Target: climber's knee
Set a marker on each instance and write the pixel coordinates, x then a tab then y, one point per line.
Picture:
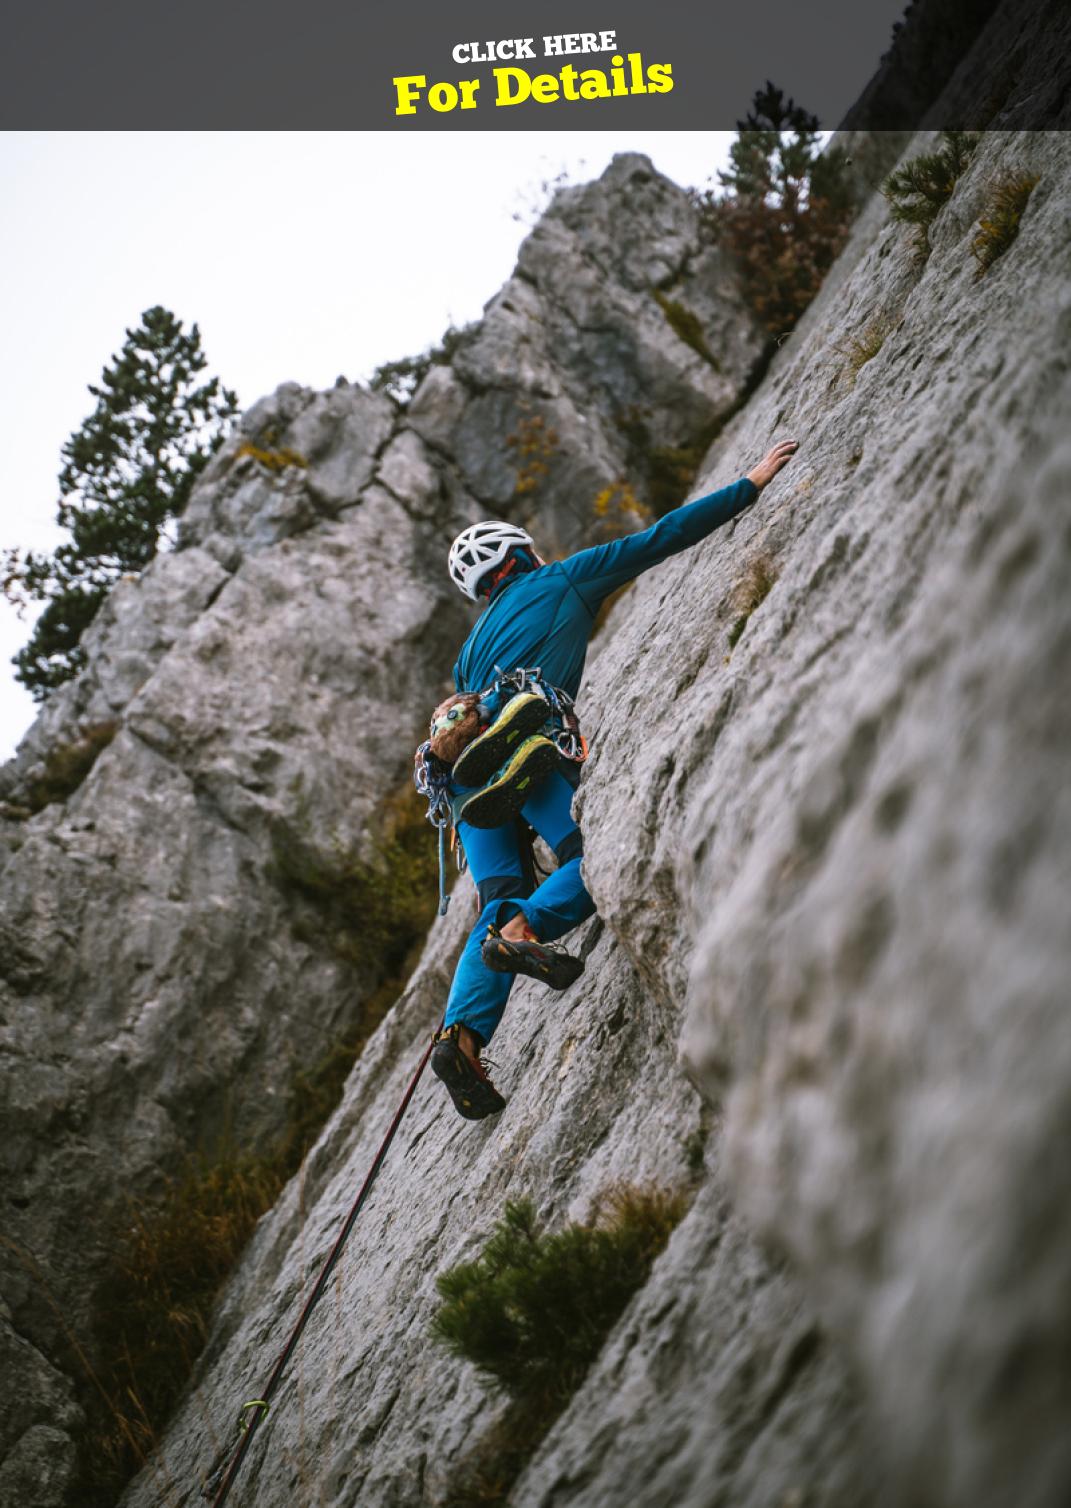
499	887
570	847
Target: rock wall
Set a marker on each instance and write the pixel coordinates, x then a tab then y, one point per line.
829	845
826	824
173	825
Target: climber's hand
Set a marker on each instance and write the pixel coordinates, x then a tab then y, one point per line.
771	464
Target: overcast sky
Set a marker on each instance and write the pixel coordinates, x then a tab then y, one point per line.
300	256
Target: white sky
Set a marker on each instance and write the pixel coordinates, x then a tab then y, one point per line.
301	256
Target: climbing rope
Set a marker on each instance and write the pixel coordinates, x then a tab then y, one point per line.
254	1411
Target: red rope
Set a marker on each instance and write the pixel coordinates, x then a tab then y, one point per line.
229	1469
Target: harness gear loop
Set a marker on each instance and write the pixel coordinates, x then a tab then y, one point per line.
432	781
227	1465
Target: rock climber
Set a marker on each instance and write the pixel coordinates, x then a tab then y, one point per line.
536	616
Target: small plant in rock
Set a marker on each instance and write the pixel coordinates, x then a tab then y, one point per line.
919	191
265	449
749	594
534	443
534	199
999	222
687	326
618	502
857	350
68	764
532	1313
665	471
367	912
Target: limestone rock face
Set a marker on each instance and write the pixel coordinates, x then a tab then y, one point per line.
862	812
827	829
172	827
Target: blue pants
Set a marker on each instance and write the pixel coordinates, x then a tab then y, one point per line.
478	995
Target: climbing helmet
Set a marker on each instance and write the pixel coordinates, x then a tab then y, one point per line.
481	547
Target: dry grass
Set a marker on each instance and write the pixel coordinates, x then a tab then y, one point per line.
999	222
861	348
749	594
67	765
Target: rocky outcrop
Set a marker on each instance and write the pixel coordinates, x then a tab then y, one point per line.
827	832
826	828
180	822
970	65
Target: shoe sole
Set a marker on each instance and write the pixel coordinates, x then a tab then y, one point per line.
486	755
497	803
558	973
471	1096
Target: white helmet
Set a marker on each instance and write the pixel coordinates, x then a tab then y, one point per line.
479	548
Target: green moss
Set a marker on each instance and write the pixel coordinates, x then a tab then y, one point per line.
919	191
533	1311
999	221
686	324
67	765
274	460
695	1149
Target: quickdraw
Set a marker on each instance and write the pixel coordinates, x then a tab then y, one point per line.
432	777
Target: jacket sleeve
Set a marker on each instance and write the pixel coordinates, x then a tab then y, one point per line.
597	572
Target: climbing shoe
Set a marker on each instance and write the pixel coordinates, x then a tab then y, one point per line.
479	760
552	966
504	795
471	1090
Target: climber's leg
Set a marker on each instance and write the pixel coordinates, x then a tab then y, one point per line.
481	986
477	996
561	903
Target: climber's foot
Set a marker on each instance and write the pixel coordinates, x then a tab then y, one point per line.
552	966
521	716
503	797
471	1090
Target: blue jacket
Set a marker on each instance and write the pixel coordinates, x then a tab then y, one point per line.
544	618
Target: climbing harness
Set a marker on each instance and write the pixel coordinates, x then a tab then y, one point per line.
254	1411
432	776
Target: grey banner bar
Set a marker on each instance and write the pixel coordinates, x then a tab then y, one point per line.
325	64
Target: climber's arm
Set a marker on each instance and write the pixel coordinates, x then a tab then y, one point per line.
597	572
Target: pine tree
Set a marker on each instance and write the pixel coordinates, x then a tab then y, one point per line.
786	214
127	473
